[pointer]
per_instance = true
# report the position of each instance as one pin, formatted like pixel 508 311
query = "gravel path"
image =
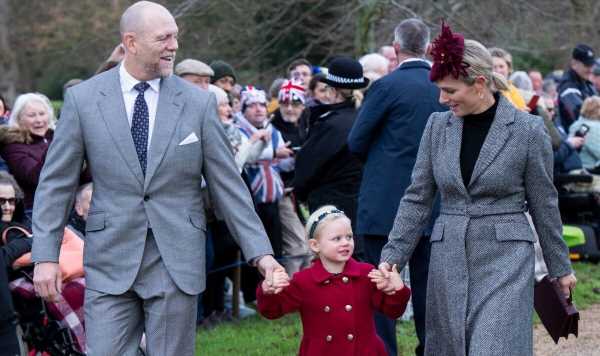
pixel 587 344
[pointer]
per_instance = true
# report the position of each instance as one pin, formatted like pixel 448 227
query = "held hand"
pixel 280 281
pixel 576 142
pixel 567 283
pixel 261 134
pixel 390 284
pixel 47 280
pixel 395 280
pixel 385 268
pixel 284 151
pixel 267 266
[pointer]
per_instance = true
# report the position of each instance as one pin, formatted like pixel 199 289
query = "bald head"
pixel 137 16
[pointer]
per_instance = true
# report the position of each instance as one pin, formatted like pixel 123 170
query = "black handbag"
pixel 557 313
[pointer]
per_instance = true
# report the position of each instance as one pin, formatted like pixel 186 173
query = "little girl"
pixel 336 296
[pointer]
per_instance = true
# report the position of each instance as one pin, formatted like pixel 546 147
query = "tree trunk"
pixel 8 58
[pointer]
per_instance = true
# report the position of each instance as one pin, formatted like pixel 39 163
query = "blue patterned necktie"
pixel 139 125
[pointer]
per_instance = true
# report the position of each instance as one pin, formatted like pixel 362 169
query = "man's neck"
pixel 403 56
pixel 134 70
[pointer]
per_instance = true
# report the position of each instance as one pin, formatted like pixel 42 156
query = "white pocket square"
pixel 191 138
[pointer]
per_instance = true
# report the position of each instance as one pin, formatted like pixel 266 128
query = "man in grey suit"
pixel 148 138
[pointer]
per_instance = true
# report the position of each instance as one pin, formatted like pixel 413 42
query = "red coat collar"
pixel 320 274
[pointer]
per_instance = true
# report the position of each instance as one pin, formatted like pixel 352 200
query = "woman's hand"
pixel 389 282
pixel 567 284
pixel 261 134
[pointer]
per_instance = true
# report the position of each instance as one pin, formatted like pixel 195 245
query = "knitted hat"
pixel 291 90
pixel 222 69
pixel 345 73
pixel 251 95
pixel 192 66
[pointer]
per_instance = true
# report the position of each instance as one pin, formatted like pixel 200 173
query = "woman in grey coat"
pixel 490 163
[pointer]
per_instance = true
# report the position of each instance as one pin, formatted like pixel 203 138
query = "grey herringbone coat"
pixel 480 289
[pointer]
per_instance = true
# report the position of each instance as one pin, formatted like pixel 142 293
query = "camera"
pixel 583 130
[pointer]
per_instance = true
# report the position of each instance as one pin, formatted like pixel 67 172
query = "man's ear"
pixel 129 42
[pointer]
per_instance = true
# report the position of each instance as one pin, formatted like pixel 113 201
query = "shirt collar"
pixel 128 81
pixel 320 274
pixel 413 59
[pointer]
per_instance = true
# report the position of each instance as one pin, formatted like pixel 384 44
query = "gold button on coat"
pixel 350 337
pixel 348 307
pixel 329 338
pixel 345 279
pixel 327 309
pixel 326 282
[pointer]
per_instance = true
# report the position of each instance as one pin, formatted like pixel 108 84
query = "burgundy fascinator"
pixel 447 53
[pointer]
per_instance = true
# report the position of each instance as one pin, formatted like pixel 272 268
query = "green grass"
pixel 261 337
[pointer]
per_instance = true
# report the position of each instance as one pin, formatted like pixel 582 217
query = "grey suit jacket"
pixel 93 126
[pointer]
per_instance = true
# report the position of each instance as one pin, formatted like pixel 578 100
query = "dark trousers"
pixel 419 269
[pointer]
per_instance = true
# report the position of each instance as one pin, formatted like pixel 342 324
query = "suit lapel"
pixel 167 117
pixel 112 108
pixel 495 139
pixel 454 131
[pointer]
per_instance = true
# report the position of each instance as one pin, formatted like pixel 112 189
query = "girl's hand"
pixel 280 280
pixel 389 282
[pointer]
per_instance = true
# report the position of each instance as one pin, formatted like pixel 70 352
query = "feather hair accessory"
pixel 447 52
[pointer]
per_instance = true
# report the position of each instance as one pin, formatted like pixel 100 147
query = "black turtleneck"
pixel 475 130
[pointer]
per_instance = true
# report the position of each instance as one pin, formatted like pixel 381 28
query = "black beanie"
pixel 222 69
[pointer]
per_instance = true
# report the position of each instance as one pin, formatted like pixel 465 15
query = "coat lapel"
pixel 495 139
pixel 112 108
pixel 454 131
pixel 167 117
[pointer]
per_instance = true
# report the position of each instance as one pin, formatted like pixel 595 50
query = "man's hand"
pixel 280 281
pixel 576 142
pixel 284 151
pixel 261 134
pixel 267 266
pixel 47 280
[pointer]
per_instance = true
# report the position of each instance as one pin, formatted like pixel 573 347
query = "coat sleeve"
pixel 273 306
pixel 23 165
pixel 227 188
pixel 58 182
pixel 373 111
pixel 393 306
pixel 323 143
pixel 542 199
pixel 415 207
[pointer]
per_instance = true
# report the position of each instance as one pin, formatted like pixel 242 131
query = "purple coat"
pixel 25 162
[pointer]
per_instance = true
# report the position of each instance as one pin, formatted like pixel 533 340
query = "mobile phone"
pixel 533 102
pixel 296 148
pixel 583 130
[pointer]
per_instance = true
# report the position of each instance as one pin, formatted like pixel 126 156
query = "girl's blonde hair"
pixel 317 219
pixel 590 109
pixel 479 61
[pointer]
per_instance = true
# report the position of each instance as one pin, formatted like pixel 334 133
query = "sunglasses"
pixel 11 201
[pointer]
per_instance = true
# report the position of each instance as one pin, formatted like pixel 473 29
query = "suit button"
pixel 345 279
pixel 327 309
pixel 146 197
pixel 348 307
pixel 329 338
pixel 350 337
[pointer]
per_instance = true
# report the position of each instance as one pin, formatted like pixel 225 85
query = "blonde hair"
pixel 479 61
pixel 221 95
pixel 590 109
pixel 23 100
pixel 504 55
pixel 319 217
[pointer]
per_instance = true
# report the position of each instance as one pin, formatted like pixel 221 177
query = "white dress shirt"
pixel 130 94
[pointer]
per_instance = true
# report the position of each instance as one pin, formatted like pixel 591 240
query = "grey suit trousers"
pixel 154 304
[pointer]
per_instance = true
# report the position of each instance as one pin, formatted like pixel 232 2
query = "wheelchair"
pixel 580 214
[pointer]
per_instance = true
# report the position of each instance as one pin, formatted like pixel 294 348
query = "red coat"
pixel 336 310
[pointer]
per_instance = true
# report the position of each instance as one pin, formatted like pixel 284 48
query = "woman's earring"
pixel 480 95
